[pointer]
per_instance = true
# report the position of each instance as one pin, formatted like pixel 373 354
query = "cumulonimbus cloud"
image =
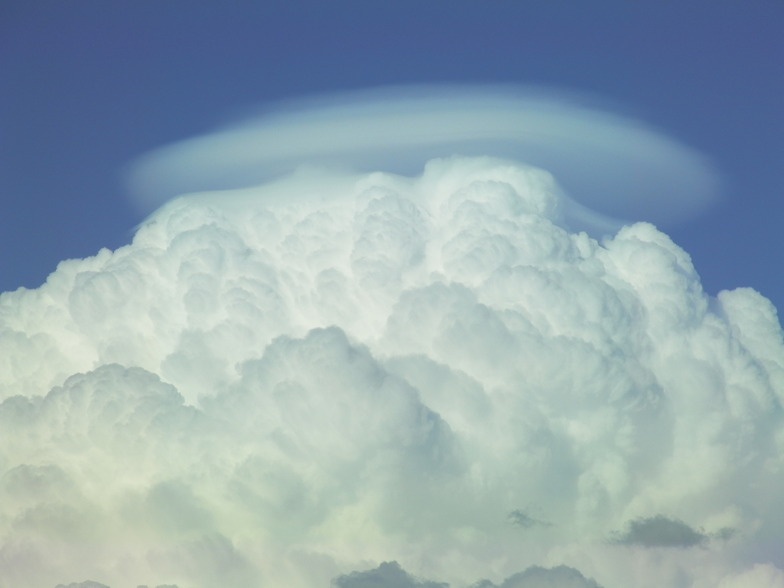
pixel 613 167
pixel 289 384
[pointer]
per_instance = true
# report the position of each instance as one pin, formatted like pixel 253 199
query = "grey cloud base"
pixel 659 531
pixel 284 391
pixel 391 575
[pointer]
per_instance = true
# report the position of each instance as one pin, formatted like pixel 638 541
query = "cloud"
pixel 284 385
pixel 391 575
pixel 538 577
pixel 611 165
pixel 525 520
pixel 386 575
pixel 659 531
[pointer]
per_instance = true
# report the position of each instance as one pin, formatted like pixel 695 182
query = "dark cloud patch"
pixel 659 531
pixel 388 575
pixel 391 575
pixel 538 577
pixel 521 518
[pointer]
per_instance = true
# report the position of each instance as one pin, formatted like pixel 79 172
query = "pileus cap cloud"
pixel 612 166
pixel 265 390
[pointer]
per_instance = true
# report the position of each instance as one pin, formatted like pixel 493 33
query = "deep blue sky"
pixel 88 85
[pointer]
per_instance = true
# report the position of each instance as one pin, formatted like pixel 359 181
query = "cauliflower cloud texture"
pixel 293 390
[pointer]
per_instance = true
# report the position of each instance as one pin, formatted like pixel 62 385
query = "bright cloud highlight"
pixel 426 380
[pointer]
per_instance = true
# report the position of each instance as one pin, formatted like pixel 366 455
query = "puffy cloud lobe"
pixel 282 391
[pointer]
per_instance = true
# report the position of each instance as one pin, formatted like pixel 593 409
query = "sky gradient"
pixel 90 86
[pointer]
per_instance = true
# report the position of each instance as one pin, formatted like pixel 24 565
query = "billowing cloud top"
pixel 293 384
pixel 612 166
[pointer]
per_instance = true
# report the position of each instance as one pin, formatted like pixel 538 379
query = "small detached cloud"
pixel 660 531
pixel 521 518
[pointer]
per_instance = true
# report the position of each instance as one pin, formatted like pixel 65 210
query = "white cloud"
pixel 267 391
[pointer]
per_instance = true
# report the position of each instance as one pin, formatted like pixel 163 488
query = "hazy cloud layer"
pixel 284 385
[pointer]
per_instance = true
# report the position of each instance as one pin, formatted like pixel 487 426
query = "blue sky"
pixel 87 86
